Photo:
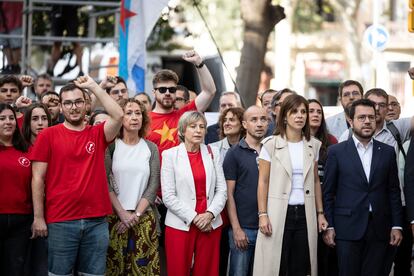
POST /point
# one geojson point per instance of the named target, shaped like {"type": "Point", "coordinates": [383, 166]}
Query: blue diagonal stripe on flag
{"type": "Point", "coordinates": [138, 17]}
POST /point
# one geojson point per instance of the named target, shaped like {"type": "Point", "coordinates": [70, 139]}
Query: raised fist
{"type": "Point", "coordinates": [193, 57]}
{"type": "Point", "coordinates": [26, 80]}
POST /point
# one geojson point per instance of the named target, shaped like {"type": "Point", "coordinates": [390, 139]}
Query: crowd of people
{"type": "Point", "coordinates": [94, 182]}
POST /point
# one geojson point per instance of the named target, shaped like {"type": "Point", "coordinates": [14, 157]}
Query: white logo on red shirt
{"type": "Point", "coordinates": [90, 147]}
{"type": "Point", "coordinates": [24, 162]}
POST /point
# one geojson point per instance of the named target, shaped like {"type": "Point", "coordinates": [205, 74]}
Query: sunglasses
{"type": "Point", "coordinates": [164, 90]}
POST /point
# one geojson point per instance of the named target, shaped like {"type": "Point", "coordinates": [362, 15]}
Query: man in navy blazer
{"type": "Point", "coordinates": [362, 199]}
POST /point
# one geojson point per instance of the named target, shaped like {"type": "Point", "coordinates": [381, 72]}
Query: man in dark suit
{"type": "Point", "coordinates": [362, 197]}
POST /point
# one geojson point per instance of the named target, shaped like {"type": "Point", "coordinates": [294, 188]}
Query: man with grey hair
{"type": "Point", "coordinates": [227, 99]}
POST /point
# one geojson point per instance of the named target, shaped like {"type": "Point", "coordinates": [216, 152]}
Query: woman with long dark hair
{"type": "Point", "coordinates": [37, 118]}
{"type": "Point", "coordinates": [319, 130]}
{"type": "Point", "coordinates": [327, 260]}
{"type": "Point", "coordinates": [289, 196]}
{"type": "Point", "coordinates": [15, 194]}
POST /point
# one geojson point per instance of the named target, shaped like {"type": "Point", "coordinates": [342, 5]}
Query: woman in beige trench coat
{"type": "Point", "coordinates": [289, 196]}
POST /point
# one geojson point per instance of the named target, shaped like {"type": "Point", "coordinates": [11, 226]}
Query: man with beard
{"type": "Point", "coordinates": [348, 92]}
{"type": "Point", "coordinates": [362, 197]}
{"type": "Point", "coordinates": [393, 133]}
{"type": "Point", "coordinates": [164, 117]}
{"type": "Point", "coordinates": [242, 173]}
{"type": "Point", "coordinates": [70, 190]}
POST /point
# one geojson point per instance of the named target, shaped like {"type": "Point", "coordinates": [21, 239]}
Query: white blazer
{"type": "Point", "coordinates": [178, 189]}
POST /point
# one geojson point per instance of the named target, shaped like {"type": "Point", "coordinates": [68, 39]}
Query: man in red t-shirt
{"type": "Point", "coordinates": [69, 186]}
{"type": "Point", "coordinates": [164, 118]}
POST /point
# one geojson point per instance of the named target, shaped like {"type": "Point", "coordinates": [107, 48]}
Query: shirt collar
{"type": "Point", "coordinates": [358, 144]}
{"type": "Point", "coordinates": [244, 145]}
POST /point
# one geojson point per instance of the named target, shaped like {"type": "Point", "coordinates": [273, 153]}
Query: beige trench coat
{"type": "Point", "coordinates": [269, 249]}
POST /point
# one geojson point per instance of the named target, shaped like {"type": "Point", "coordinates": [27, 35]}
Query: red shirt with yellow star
{"type": "Point", "coordinates": [164, 127]}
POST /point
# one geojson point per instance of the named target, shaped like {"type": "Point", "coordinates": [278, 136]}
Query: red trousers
{"type": "Point", "coordinates": [181, 246]}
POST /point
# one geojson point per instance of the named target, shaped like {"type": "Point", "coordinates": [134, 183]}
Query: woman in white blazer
{"type": "Point", "coordinates": [194, 191]}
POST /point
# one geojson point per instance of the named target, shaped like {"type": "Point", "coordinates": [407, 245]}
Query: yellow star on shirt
{"type": "Point", "coordinates": [166, 133]}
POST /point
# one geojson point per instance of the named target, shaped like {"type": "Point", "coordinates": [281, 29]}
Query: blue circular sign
{"type": "Point", "coordinates": [377, 37]}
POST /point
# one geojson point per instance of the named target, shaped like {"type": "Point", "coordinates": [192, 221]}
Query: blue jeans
{"type": "Point", "coordinates": [82, 242]}
{"type": "Point", "coordinates": [241, 261]}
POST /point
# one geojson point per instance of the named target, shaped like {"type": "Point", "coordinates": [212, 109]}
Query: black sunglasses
{"type": "Point", "coordinates": [163, 89]}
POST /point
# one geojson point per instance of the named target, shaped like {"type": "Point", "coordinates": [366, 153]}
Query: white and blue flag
{"type": "Point", "coordinates": [137, 19]}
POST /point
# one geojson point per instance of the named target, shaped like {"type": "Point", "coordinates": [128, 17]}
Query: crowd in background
{"type": "Point", "coordinates": [95, 182]}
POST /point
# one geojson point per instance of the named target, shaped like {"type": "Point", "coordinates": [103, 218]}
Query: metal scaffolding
{"type": "Point", "coordinates": [29, 39]}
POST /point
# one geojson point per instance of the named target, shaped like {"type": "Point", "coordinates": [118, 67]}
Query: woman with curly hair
{"type": "Point", "coordinates": [231, 129]}
{"type": "Point", "coordinates": [134, 180]}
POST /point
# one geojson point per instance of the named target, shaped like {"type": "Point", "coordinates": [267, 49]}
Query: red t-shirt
{"type": "Point", "coordinates": [199, 176]}
{"type": "Point", "coordinates": [75, 184]}
{"type": "Point", "coordinates": [13, 16]}
{"type": "Point", "coordinates": [164, 127]}
{"type": "Point", "coordinates": [15, 181]}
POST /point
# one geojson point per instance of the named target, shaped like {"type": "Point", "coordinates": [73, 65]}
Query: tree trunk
{"type": "Point", "coordinates": [259, 17]}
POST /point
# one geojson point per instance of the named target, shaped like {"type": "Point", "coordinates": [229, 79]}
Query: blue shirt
{"type": "Point", "coordinates": [241, 165]}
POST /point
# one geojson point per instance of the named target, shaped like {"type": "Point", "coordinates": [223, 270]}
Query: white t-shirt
{"type": "Point", "coordinates": [297, 195]}
{"type": "Point", "coordinates": [130, 166]}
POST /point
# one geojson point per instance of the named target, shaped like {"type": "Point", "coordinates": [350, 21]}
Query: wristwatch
{"type": "Point", "coordinates": [200, 65]}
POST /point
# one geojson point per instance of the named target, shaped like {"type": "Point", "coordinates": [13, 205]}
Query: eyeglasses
{"type": "Point", "coordinates": [381, 105]}
{"type": "Point", "coordinates": [179, 99]}
{"type": "Point", "coordinates": [353, 93]}
{"type": "Point", "coordinates": [164, 89]}
{"type": "Point", "coordinates": [362, 118]}
{"type": "Point", "coordinates": [69, 104]}
{"type": "Point", "coordinates": [121, 91]}
{"type": "Point", "coordinates": [393, 105]}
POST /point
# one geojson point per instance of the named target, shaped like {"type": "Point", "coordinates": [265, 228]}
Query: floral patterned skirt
{"type": "Point", "coordinates": [134, 252]}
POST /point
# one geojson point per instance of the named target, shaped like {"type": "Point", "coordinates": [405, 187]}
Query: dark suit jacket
{"type": "Point", "coordinates": [409, 182]}
{"type": "Point", "coordinates": [212, 134]}
{"type": "Point", "coordinates": [347, 192]}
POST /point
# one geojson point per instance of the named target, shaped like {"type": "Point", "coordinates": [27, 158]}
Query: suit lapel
{"type": "Point", "coordinates": [355, 159]}
{"type": "Point", "coordinates": [376, 154]}
{"type": "Point", "coordinates": [207, 165]}
{"type": "Point", "coordinates": [282, 153]}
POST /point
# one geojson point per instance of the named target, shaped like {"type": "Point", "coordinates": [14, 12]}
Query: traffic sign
{"type": "Point", "coordinates": [376, 36]}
